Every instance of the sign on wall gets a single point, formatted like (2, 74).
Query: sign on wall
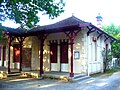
(76, 55)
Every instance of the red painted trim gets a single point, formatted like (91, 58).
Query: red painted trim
(9, 58)
(72, 41)
(9, 44)
(21, 43)
(72, 35)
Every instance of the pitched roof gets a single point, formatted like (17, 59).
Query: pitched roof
(69, 22)
(14, 31)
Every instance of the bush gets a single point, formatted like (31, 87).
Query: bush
(29, 75)
(3, 75)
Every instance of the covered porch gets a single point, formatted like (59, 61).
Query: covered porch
(70, 27)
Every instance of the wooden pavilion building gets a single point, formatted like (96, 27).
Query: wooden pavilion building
(70, 45)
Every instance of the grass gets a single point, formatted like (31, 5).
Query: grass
(107, 73)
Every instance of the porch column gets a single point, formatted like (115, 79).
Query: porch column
(72, 34)
(71, 45)
(9, 44)
(41, 54)
(2, 56)
(21, 42)
(21, 39)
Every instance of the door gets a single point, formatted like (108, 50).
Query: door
(26, 60)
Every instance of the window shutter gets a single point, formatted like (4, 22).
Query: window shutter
(64, 52)
(53, 52)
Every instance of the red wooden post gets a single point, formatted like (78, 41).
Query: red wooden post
(21, 39)
(21, 54)
(41, 54)
(9, 58)
(71, 43)
(9, 44)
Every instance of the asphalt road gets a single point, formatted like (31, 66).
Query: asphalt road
(99, 83)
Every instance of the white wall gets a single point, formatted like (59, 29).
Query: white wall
(94, 65)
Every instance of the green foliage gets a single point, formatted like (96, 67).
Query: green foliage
(115, 32)
(107, 58)
(25, 12)
(2, 34)
(112, 29)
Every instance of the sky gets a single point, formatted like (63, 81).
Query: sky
(86, 10)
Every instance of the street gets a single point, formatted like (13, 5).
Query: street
(98, 83)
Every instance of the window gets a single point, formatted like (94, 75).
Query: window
(53, 52)
(64, 52)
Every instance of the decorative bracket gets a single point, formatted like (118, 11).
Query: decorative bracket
(21, 39)
(90, 30)
(106, 37)
(44, 36)
(100, 34)
(10, 39)
(72, 34)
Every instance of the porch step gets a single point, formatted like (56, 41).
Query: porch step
(14, 74)
(81, 78)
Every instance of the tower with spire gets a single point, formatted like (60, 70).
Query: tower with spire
(99, 20)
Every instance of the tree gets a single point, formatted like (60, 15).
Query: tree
(25, 12)
(115, 32)
(107, 58)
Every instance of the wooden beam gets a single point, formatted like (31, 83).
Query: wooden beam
(10, 39)
(75, 32)
(72, 42)
(106, 37)
(72, 35)
(90, 30)
(99, 36)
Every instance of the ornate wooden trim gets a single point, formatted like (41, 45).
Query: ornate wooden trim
(106, 37)
(92, 29)
(100, 34)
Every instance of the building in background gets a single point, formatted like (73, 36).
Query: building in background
(99, 21)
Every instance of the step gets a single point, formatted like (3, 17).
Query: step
(14, 74)
(80, 77)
